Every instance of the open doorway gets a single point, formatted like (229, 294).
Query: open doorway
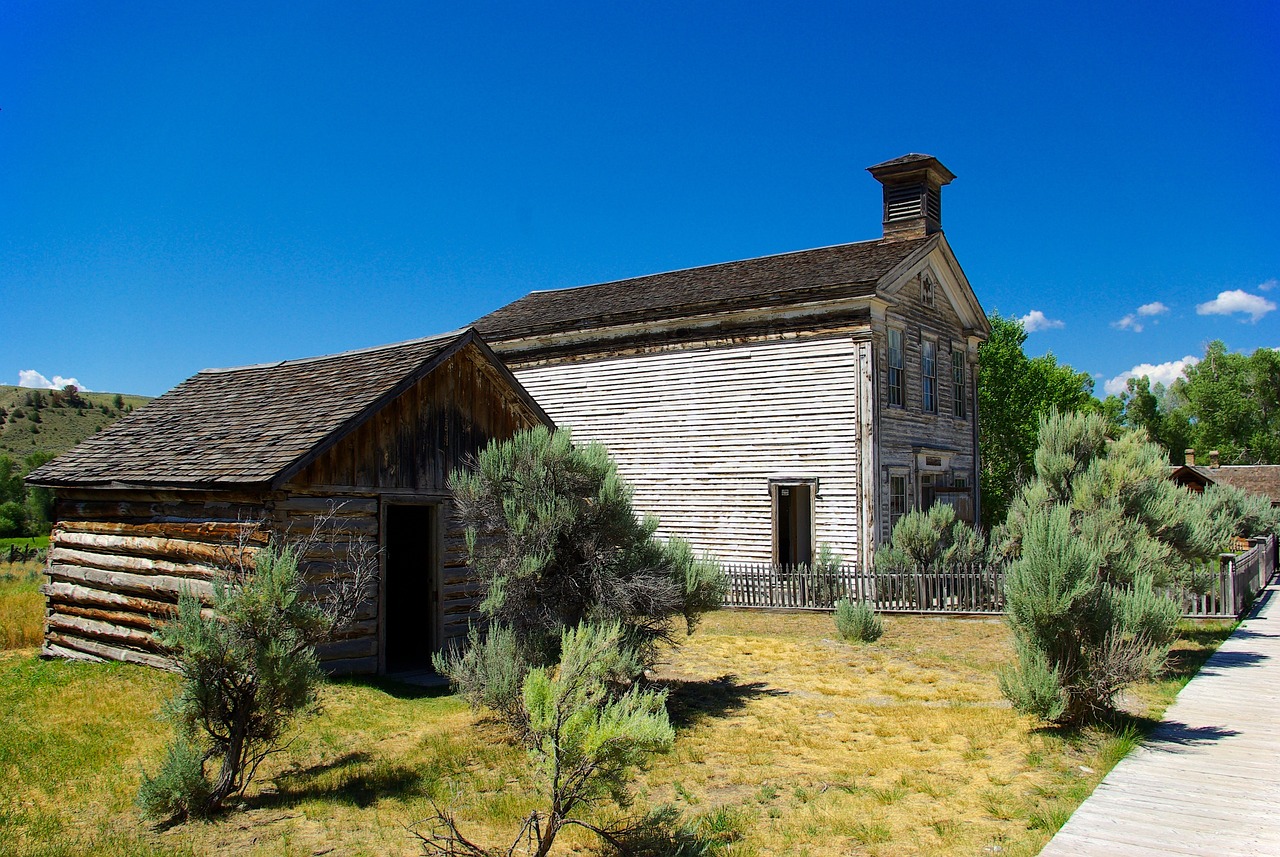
(410, 587)
(793, 523)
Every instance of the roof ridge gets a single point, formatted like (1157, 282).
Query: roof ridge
(704, 267)
(452, 334)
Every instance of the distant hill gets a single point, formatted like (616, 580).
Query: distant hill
(51, 421)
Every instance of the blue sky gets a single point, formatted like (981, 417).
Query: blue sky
(197, 185)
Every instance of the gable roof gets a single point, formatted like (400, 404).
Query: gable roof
(842, 271)
(251, 424)
(1262, 479)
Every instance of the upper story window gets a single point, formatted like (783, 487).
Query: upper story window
(929, 376)
(896, 384)
(926, 291)
(957, 383)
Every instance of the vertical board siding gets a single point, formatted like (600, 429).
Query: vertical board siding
(699, 433)
(418, 439)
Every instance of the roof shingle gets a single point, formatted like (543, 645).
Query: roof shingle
(845, 270)
(244, 425)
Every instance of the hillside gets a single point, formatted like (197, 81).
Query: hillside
(55, 423)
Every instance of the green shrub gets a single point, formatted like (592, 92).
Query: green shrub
(584, 739)
(555, 542)
(856, 621)
(489, 671)
(180, 788)
(1096, 538)
(248, 668)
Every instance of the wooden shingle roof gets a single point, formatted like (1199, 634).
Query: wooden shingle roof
(845, 270)
(1261, 479)
(248, 425)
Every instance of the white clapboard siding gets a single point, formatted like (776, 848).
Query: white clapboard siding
(699, 433)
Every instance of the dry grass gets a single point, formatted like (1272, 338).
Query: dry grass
(21, 605)
(789, 742)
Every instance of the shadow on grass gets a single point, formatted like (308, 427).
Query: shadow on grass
(690, 702)
(352, 778)
(391, 687)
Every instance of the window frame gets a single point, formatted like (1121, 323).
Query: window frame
(900, 509)
(959, 371)
(928, 376)
(897, 373)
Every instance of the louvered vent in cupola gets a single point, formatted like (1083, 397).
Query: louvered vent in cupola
(902, 201)
(912, 195)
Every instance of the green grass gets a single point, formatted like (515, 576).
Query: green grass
(21, 605)
(37, 542)
(788, 741)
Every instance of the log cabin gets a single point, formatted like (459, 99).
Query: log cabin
(766, 407)
(362, 441)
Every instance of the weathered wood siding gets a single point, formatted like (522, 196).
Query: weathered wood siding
(417, 440)
(902, 429)
(700, 432)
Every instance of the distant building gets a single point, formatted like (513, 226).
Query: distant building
(1260, 479)
(763, 408)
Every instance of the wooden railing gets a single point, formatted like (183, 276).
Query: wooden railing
(1239, 580)
(965, 588)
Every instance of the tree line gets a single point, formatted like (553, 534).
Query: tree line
(24, 511)
(1227, 402)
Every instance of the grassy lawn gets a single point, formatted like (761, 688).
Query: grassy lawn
(789, 741)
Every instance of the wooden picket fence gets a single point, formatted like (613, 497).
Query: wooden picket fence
(962, 588)
(966, 588)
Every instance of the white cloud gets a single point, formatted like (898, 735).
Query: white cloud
(1237, 301)
(1159, 373)
(32, 378)
(1134, 320)
(1268, 285)
(1036, 320)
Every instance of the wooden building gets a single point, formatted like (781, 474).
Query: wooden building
(763, 408)
(155, 503)
(1260, 479)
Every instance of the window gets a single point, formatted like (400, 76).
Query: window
(895, 368)
(957, 383)
(897, 499)
(929, 376)
(926, 291)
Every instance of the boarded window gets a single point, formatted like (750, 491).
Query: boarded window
(957, 384)
(929, 376)
(896, 396)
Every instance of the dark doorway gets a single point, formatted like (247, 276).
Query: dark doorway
(793, 522)
(409, 616)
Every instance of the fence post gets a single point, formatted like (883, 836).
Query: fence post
(1228, 583)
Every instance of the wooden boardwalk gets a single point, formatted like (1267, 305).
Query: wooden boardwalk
(1207, 780)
